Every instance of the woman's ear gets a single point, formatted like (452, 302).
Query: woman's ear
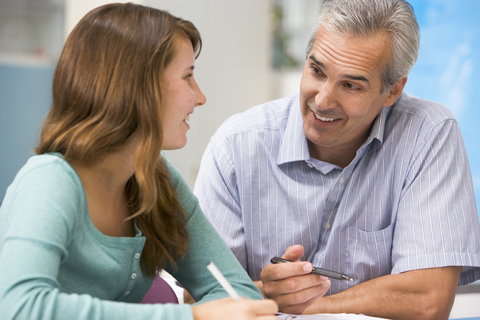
(395, 92)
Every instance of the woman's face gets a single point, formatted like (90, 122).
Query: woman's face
(181, 95)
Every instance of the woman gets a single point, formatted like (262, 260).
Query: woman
(90, 220)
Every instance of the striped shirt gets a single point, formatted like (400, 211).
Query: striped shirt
(405, 202)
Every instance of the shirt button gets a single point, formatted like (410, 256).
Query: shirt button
(341, 181)
(134, 275)
(326, 226)
(137, 255)
(127, 293)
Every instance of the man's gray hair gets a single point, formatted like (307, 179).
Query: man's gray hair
(361, 18)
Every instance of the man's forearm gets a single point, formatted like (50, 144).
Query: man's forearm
(419, 294)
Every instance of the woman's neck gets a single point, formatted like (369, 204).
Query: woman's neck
(104, 182)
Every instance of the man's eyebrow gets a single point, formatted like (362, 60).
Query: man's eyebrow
(357, 78)
(311, 57)
(346, 76)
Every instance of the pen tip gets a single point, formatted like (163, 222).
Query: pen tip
(347, 278)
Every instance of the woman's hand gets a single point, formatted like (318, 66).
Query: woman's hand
(228, 308)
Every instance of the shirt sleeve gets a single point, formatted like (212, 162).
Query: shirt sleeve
(437, 222)
(207, 246)
(41, 211)
(217, 192)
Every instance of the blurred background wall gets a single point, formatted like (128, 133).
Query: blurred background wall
(253, 52)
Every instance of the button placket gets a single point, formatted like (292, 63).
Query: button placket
(134, 266)
(133, 272)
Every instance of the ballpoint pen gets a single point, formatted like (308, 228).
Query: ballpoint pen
(319, 271)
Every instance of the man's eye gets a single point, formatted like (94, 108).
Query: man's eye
(317, 71)
(351, 86)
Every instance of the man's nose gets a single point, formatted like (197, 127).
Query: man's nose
(326, 96)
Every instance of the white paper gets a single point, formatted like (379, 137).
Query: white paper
(325, 316)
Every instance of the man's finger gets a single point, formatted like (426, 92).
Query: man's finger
(296, 302)
(280, 271)
(294, 253)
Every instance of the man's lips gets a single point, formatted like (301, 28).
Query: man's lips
(324, 118)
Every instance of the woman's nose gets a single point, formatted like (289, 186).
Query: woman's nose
(200, 97)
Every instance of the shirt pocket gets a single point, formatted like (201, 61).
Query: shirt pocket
(372, 253)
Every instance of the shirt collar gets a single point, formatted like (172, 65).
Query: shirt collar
(294, 145)
(375, 139)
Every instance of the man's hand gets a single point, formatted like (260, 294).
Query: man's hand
(291, 285)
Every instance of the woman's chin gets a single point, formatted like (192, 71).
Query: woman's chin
(174, 146)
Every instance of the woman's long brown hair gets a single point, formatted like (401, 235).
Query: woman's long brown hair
(107, 91)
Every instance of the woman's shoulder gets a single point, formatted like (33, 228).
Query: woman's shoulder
(44, 175)
(45, 160)
(47, 167)
(175, 175)
(183, 191)
(46, 194)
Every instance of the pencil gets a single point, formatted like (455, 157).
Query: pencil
(223, 281)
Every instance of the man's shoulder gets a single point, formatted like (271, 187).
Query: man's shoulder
(272, 115)
(426, 111)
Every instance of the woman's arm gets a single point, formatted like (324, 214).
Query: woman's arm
(40, 214)
(205, 246)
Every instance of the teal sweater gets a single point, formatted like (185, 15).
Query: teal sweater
(55, 264)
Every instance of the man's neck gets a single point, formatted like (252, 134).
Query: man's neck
(341, 155)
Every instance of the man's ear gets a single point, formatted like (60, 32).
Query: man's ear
(394, 92)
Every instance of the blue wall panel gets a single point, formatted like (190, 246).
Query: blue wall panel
(25, 97)
(448, 67)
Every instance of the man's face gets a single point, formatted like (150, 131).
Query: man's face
(340, 93)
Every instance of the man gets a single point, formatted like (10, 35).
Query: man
(350, 175)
